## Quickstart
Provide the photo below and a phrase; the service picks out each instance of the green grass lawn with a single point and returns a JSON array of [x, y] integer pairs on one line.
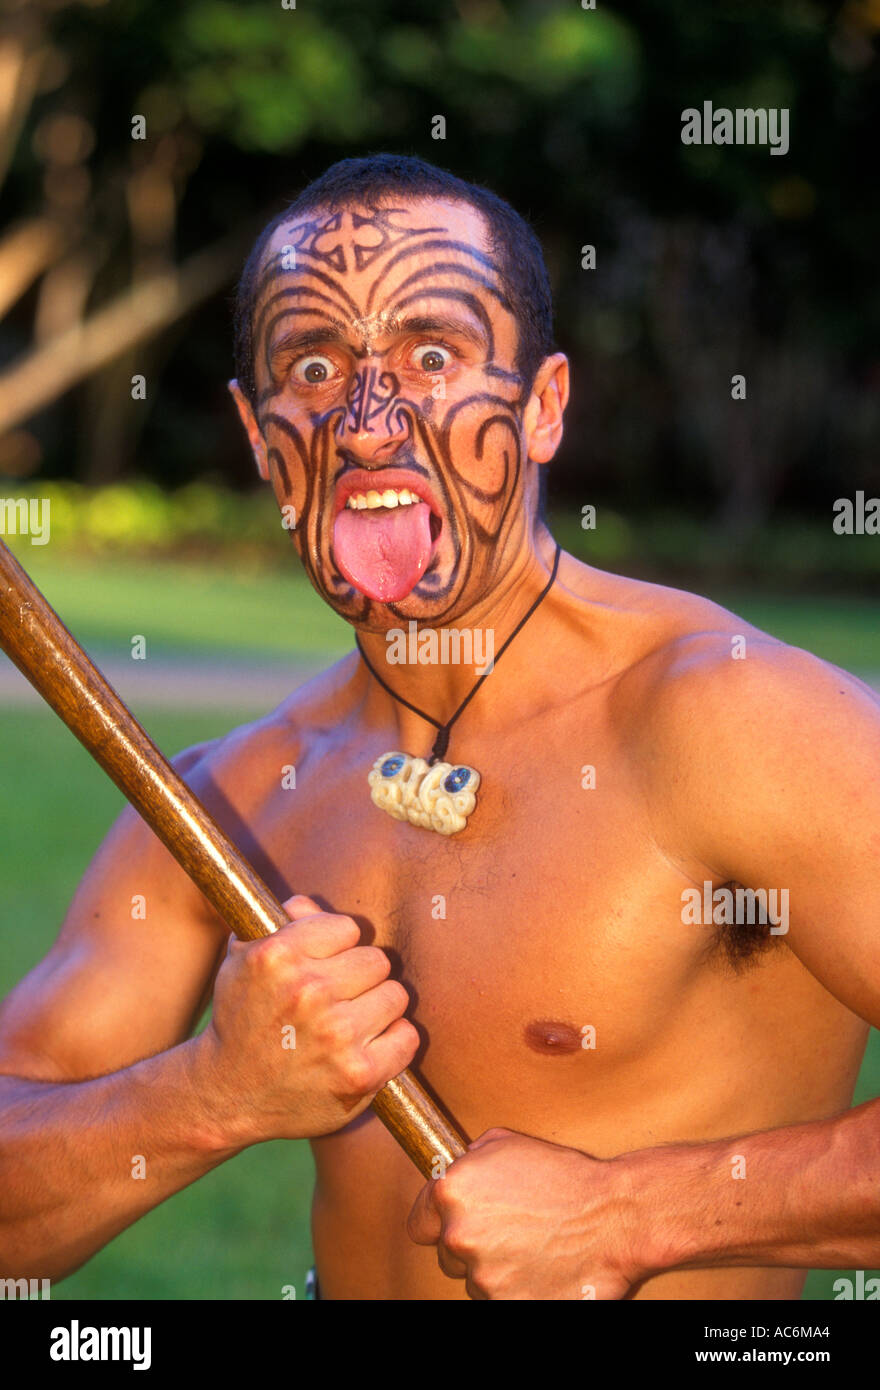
[[189, 608]]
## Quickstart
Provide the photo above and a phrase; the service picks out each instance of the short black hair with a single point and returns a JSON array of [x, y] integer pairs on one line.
[[376, 177]]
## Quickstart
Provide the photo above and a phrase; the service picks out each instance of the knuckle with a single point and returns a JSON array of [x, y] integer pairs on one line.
[[312, 994], [356, 1073], [454, 1204], [439, 1195], [338, 1031], [482, 1282], [446, 1196], [455, 1238], [260, 958]]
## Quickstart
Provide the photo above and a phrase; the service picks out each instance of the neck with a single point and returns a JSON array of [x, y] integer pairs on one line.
[[434, 669]]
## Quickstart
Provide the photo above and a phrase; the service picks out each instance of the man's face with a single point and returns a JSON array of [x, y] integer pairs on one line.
[[390, 407]]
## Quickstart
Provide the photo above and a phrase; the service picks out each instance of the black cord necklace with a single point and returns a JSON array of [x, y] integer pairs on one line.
[[432, 793]]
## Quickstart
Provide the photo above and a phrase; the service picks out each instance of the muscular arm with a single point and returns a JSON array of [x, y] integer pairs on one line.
[[71, 1156], [803, 1196], [94, 1063], [777, 785]]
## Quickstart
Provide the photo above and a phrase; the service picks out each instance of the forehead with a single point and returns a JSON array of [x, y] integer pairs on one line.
[[370, 270], [357, 238]]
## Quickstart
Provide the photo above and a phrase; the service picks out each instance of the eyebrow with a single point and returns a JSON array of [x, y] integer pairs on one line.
[[301, 339], [442, 324]]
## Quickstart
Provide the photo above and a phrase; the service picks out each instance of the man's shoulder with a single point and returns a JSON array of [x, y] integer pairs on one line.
[[705, 679], [651, 627], [278, 737], [678, 643], [745, 749]]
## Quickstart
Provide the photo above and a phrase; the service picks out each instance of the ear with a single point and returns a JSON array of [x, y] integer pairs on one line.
[[252, 429], [542, 417]]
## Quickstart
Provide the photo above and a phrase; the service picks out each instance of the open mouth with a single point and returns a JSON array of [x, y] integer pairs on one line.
[[388, 500], [383, 539]]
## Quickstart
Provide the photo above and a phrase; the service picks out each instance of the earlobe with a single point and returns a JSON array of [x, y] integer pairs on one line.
[[252, 429]]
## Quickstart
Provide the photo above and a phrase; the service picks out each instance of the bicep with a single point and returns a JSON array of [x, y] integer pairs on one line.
[[129, 972], [777, 787]]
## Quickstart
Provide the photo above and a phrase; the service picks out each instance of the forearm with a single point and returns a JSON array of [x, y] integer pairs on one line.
[[80, 1161], [807, 1195]]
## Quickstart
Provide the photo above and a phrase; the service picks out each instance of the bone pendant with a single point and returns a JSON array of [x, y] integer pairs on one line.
[[436, 798]]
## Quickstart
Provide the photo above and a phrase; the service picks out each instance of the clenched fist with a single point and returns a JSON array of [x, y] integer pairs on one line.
[[306, 1028]]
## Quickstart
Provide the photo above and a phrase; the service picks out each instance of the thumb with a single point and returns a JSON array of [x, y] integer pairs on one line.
[[423, 1224]]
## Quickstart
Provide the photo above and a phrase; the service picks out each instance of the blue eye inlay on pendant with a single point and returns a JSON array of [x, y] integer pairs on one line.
[[458, 778], [391, 766]]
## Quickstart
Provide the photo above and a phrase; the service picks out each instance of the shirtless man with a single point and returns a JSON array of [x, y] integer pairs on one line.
[[395, 334]]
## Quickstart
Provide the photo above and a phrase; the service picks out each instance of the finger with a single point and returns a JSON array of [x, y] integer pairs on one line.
[[317, 936], [489, 1137], [392, 1051], [371, 1013], [423, 1224], [300, 906], [352, 973], [452, 1266], [322, 934]]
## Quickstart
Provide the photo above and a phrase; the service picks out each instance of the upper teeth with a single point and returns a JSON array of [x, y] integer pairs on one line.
[[391, 497]]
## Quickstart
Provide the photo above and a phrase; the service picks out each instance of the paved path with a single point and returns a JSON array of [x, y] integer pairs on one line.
[[180, 682]]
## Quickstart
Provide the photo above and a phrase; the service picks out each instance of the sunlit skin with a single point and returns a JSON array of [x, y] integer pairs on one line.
[[658, 1109]]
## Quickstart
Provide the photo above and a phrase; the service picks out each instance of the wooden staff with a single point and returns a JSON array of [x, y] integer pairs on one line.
[[34, 637]]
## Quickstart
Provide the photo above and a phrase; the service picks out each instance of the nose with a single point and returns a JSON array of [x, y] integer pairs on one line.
[[373, 426]]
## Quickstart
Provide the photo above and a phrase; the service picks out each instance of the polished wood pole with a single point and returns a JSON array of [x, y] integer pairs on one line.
[[36, 640]]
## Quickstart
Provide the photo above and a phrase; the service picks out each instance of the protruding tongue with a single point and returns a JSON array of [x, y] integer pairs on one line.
[[384, 551]]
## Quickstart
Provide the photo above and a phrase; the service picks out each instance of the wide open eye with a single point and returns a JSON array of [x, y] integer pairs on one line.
[[313, 371], [431, 358]]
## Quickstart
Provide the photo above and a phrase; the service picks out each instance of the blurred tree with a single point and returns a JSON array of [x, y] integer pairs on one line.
[[710, 261], [101, 241]]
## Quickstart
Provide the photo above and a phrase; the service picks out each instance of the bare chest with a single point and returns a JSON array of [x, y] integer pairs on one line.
[[555, 983], [548, 927]]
